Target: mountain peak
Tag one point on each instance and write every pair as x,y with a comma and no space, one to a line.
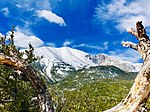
73,57
66,59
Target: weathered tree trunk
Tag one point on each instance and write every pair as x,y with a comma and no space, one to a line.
44,98
140,91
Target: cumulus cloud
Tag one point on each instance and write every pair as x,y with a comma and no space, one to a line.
22,40
124,13
128,55
24,30
101,48
51,17
5,11
29,10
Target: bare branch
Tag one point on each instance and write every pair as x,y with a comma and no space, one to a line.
6,101
129,44
141,30
131,31
6,60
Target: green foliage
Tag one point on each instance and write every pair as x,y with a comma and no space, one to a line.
94,89
16,91
30,55
97,96
92,74
8,48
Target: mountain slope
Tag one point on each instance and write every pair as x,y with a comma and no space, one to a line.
58,63
87,75
62,60
103,59
68,55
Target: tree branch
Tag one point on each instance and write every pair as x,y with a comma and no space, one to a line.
140,91
131,31
6,101
129,44
6,60
45,100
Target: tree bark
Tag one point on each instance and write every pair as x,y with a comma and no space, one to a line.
44,98
140,91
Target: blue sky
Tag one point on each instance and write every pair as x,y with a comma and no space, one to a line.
93,26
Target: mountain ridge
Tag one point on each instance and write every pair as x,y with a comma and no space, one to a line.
60,62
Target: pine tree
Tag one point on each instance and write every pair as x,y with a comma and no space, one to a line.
20,81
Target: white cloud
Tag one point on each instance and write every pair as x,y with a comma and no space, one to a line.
128,55
101,48
32,4
51,17
67,43
1,35
88,46
22,40
105,45
124,13
51,44
5,11
24,30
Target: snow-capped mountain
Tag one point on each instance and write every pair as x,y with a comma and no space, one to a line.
73,57
103,59
60,62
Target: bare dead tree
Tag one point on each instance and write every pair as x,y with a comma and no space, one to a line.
140,91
